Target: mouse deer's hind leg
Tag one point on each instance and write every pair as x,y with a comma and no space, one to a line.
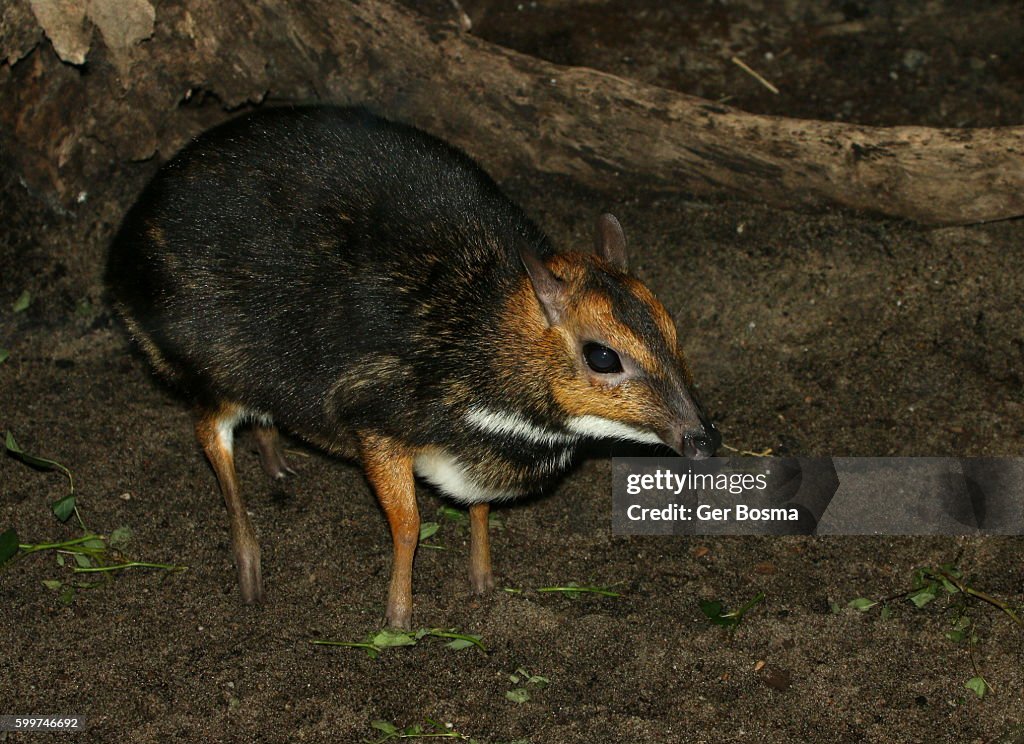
215,432
268,442
389,468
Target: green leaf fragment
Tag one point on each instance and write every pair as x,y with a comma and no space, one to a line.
8,545
712,609
977,685
863,604
37,462
428,530
923,596
4,355
453,514
120,537
518,695
63,508
53,584
386,726
392,638
21,304
12,444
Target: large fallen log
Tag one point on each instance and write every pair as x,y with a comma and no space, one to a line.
130,77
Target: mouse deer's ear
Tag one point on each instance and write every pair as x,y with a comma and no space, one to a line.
550,290
610,241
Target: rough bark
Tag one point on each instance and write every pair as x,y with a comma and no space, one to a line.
68,127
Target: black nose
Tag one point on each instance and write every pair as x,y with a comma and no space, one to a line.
708,441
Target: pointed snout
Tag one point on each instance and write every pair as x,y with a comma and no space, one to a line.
703,443
696,443
693,436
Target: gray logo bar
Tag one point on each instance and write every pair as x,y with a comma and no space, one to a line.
42,723
820,495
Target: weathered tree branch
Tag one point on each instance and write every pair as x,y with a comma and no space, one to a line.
66,130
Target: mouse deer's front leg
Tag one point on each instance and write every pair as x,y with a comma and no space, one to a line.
480,576
389,468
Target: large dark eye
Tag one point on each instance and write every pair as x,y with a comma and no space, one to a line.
601,359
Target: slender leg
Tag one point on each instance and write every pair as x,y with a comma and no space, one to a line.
389,470
268,441
215,432
480,575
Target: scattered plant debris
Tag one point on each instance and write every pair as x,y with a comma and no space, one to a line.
947,580
432,730
574,591
458,517
527,685
90,553
388,638
461,517
715,612
22,303
427,531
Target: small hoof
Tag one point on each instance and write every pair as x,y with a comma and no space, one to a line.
252,595
250,581
483,583
280,472
398,618
272,458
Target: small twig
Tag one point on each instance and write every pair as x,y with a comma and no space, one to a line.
27,548
897,595
129,564
438,633
580,590
977,672
971,591
346,644
763,453
754,74
747,607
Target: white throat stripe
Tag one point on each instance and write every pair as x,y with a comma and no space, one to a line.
602,428
508,423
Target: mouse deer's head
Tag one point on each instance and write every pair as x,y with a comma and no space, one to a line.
610,350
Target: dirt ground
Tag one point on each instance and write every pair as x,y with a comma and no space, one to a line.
810,333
